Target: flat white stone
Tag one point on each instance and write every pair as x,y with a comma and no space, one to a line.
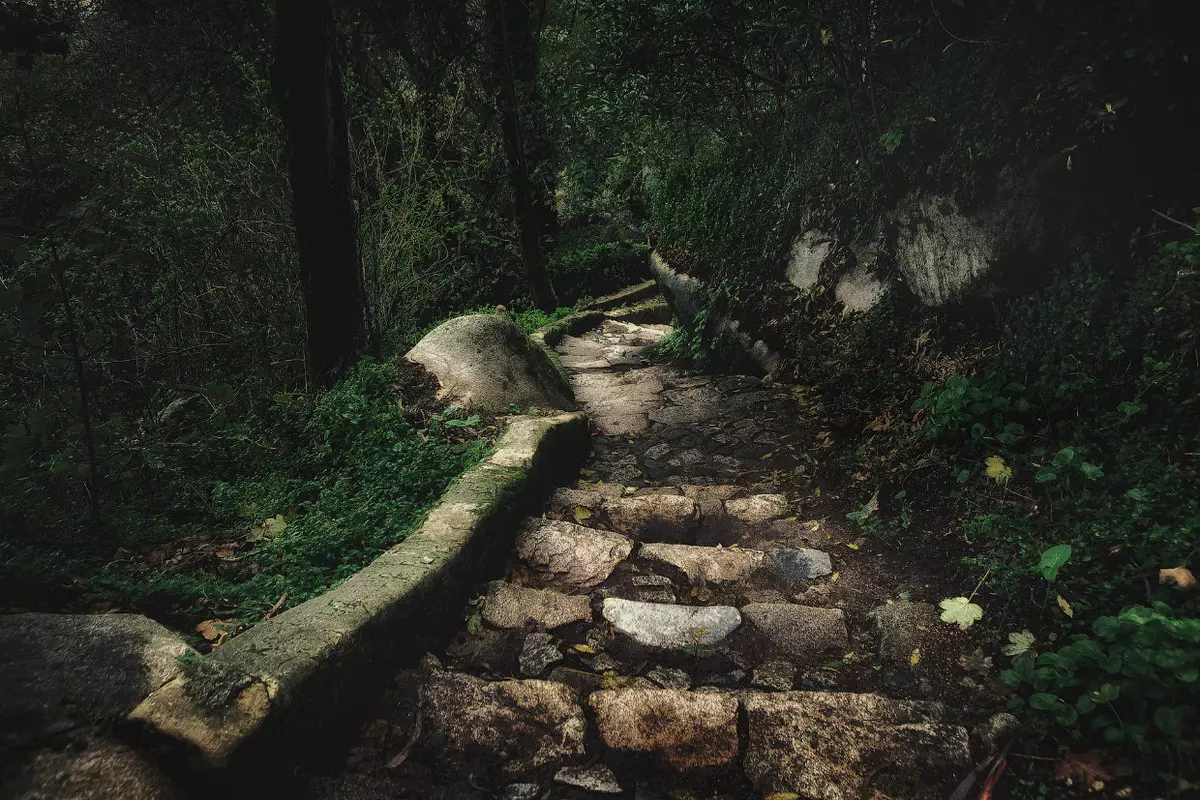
758,507
671,626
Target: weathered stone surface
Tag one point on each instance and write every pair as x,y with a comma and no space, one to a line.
563,555
485,360
687,730
522,791
670,626
566,500
803,632
703,565
902,627
524,724
102,771
758,507
841,745
776,675
997,731
539,651
599,779
859,290
670,678
68,672
652,514
511,606
800,564
711,499
809,252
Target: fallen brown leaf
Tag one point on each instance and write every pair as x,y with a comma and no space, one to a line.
1180,576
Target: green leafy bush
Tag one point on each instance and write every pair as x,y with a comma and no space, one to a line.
1136,680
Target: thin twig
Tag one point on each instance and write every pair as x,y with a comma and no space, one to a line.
1172,220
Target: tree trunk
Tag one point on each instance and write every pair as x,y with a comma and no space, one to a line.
307,81
515,49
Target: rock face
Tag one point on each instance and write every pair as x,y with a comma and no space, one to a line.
758,507
802,632
669,626
511,606
687,730
901,628
598,779
703,565
75,672
566,556
841,745
539,651
485,360
524,725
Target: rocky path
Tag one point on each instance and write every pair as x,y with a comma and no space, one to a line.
692,619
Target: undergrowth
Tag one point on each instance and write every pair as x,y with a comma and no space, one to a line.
1066,447
308,490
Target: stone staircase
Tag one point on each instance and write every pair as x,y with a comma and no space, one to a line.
675,625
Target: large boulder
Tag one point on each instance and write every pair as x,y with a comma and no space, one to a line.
486,361
104,770
66,675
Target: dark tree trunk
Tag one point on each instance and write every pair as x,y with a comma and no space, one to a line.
514,37
307,81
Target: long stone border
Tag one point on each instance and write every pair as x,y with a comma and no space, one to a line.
310,673
688,298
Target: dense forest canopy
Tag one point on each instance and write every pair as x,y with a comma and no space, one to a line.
221,223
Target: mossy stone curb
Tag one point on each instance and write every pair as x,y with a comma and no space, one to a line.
313,669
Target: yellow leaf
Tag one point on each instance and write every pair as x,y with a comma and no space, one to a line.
852,546
915,658
1109,108
997,470
834,577
1065,606
827,36
583,648
581,514
782,796
1180,576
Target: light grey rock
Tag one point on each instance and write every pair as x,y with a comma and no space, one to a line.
522,791
902,627
74,672
858,290
802,632
511,606
809,251
800,564
539,651
705,565
599,779
658,451
671,627
562,555
841,745
758,507
686,730
524,724
670,678
485,360
779,676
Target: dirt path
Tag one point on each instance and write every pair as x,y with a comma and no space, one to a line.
694,618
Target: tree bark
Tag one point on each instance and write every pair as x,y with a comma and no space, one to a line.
307,81
515,50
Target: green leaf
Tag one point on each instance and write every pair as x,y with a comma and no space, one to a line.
1052,560
1019,643
1106,693
1170,720
1064,457
960,611
1090,471
1045,475
1137,495
1043,701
